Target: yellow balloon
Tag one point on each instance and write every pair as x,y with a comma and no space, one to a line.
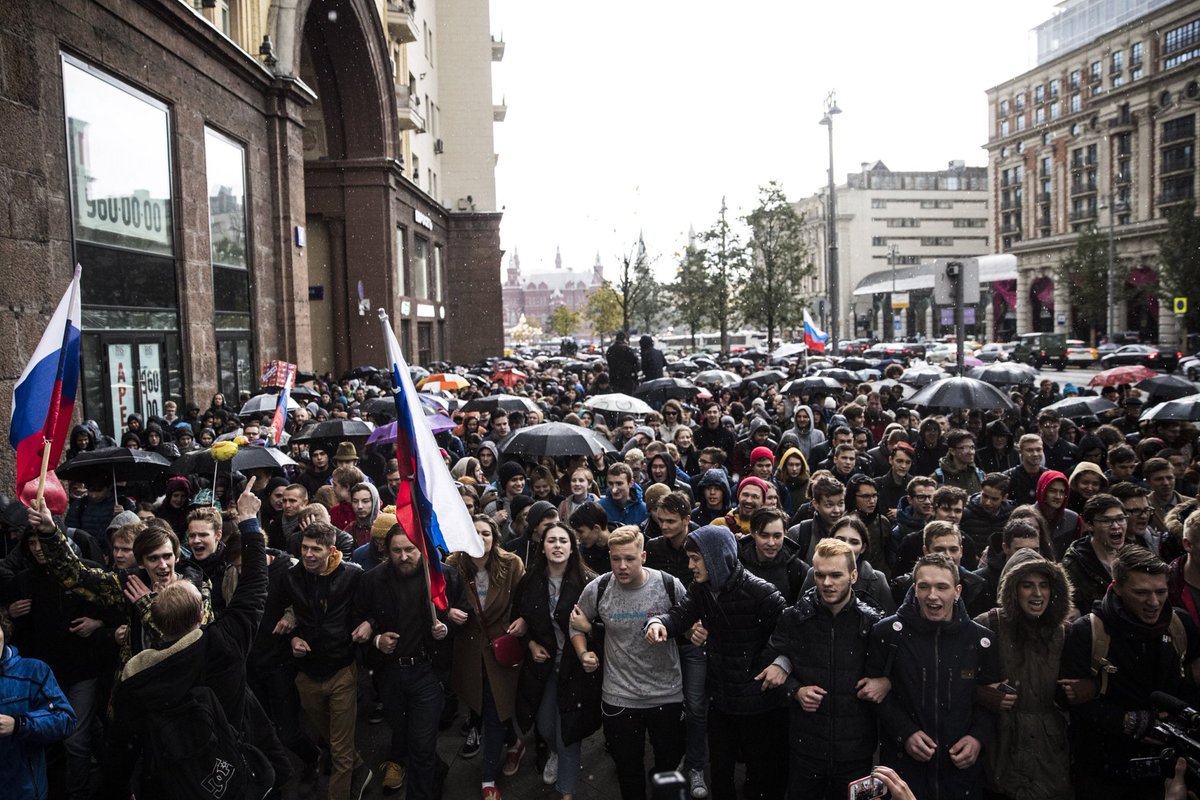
223,451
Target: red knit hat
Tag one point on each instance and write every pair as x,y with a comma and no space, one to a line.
760,453
752,481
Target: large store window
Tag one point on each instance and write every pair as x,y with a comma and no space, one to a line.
420,268
229,253
120,174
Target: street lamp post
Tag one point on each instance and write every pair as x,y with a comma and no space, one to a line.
1111,314
831,108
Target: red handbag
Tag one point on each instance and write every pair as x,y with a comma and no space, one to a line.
506,648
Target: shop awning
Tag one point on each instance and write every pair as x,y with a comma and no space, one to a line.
914,278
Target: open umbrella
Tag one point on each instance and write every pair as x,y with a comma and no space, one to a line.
922,377
334,430
814,384
299,392
1167,387
767,376
509,377
114,464
841,375
1181,409
555,439
720,378
248,458
380,407
789,349
509,402
438,423
1005,373
855,363
886,385
1118,375
960,393
617,402
1077,407
361,373
264,404
660,390
443,382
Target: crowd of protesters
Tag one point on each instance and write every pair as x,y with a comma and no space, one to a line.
818,587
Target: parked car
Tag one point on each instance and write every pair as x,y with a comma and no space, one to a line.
1190,367
1147,355
995,351
1079,354
941,352
1040,349
895,350
854,347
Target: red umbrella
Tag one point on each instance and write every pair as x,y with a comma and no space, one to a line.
1118,375
509,377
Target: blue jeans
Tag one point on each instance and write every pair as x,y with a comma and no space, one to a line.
694,664
412,704
549,725
495,733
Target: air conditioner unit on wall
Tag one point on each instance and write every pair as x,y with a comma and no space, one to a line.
438,146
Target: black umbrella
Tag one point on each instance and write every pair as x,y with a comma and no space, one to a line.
299,392
814,384
1167,387
1181,409
960,393
264,404
334,430
114,464
841,375
555,439
921,378
660,390
247,458
1077,407
1004,373
856,363
361,373
379,407
509,402
887,384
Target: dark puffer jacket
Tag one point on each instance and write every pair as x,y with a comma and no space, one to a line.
1089,578
831,652
978,525
739,610
934,668
1030,756
786,571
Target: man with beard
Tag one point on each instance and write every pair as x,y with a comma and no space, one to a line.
833,734
932,732
1150,647
402,632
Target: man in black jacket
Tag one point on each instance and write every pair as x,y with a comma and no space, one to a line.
622,364
820,654
1060,454
987,511
738,612
932,732
320,590
1023,478
653,361
403,632
1146,655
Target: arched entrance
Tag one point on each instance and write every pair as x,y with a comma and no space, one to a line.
1041,305
1141,303
349,164
1004,310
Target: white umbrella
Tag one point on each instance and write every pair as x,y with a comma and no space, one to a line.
617,402
265,403
789,349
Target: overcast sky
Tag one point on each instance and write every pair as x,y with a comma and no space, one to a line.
633,115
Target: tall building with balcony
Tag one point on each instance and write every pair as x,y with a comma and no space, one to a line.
894,225
244,181
1100,135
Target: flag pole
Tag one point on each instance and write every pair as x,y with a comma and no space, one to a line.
41,492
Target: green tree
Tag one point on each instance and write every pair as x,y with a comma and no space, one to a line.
772,292
1179,260
1085,274
563,321
691,293
603,310
725,260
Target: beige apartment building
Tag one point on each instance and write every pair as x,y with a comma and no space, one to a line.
895,225
1101,133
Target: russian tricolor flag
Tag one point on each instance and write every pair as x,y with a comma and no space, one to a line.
280,416
814,337
440,518
44,396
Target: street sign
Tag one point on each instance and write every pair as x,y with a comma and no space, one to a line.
898,325
899,299
1180,305
947,316
943,288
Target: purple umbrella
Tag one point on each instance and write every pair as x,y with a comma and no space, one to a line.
387,433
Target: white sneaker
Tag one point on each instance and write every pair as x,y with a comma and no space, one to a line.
696,781
550,772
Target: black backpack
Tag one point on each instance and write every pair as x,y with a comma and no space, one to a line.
191,752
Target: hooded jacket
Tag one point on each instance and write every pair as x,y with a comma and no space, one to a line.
362,533
990,459
786,571
632,513
831,652
793,493
804,440
30,694
673,481
1065,524
76,432
934,668
702,514
739,610
1030,759
743,448
653,361
1075,500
